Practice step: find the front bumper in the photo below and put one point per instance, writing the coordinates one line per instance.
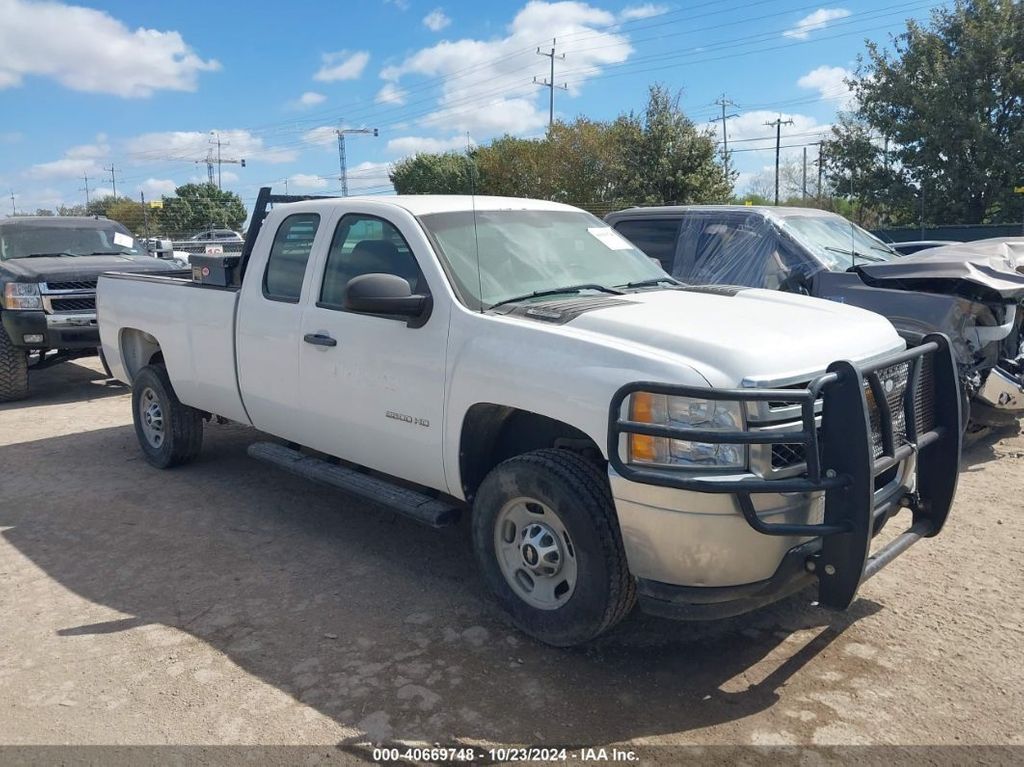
(862, 466)
(57, 331)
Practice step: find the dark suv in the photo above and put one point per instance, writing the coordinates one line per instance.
(974, 300)
(48, 271)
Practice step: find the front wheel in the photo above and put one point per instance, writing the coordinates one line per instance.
(547, 540)
(13, 370)
(169, 433)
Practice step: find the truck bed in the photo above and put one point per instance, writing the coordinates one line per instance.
(194, 326)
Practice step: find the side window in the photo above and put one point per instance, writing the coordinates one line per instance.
(366, 245)
(282, 281)
(656, 237)
(730, 249)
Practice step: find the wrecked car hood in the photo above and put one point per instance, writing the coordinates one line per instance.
(995, 266)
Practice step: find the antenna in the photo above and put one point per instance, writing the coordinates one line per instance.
(476, 236)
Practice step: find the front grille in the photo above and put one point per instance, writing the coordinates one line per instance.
(786, 454)
(81, 304)
(894, 381)
(71, 285)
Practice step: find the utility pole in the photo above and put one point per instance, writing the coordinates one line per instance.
(341, 132)
(113, 179)
(145, 217)
(85, 178)
(777, 123)
(215, 141)
(821, 165)
(549, 83)
(804, 185)
(725, 103)
(14, 210)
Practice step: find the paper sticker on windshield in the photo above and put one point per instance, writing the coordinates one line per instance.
(610, 237)
(123, 240)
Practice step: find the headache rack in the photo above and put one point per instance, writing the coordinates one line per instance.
(872, 418)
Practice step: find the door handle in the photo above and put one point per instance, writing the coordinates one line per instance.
(319, 339)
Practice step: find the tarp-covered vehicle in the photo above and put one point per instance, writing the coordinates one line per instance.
(973, 292)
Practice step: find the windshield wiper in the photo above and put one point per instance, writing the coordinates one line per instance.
(557, 291)
(854, 253)
(651, 282)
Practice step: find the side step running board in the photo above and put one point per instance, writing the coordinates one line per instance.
(411, 503)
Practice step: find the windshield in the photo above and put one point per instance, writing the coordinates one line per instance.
(526, 251)
(23, 241)
(832, 238)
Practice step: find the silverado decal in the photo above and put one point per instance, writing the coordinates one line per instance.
(407, 418)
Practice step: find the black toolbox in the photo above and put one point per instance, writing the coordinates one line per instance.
(220, 270)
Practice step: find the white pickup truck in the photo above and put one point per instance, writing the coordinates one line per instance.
(614, 434)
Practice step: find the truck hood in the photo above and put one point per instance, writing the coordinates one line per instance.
(993, 269)
(745, 336)
(71, 268)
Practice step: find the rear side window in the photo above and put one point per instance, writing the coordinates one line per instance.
(282, 281)
(655, 236)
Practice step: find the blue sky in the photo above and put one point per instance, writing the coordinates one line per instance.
(142, 85)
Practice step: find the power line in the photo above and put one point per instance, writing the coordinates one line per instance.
(725, 104)
(550, 82)
(778, 122)
(113, 178)
(85, 177)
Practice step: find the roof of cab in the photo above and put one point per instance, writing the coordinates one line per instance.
(424, 204)
(768, 211)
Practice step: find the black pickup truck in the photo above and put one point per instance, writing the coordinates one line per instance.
(49, 266)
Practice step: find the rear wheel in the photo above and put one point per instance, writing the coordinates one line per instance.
(169, 433)
(13, 370)
(547, 540)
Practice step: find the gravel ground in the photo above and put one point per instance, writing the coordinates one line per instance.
(228, 603)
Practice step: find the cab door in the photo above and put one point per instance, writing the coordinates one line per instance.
(372, 386)
(269, 322)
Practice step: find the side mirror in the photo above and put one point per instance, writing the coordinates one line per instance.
(385, 294)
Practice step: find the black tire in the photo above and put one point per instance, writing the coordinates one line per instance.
(13, 370)
(181, 426)
(579, 494)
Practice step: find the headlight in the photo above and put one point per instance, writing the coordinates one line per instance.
(685, 412)
(22, 295)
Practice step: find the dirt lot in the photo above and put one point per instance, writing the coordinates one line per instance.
(227, 603)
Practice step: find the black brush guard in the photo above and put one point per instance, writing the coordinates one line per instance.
(840, 460)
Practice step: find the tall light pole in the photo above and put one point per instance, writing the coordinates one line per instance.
(341, 132)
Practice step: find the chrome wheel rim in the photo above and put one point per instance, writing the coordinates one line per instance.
(535, 553)
(151, 417)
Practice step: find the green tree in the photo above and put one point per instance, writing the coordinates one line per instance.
(514, 167)
(426, 173)
(198, 206)
(130, 213)
(662, 157)
(949, 97)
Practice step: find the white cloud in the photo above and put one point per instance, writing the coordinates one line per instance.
(645, 11)
(407, 145)
(157, 187)
(815, 21)
(309, 99)
(390, 94)
(323, 135)
(487, 86)
(748, 131)
(77, 162)
(436, 20)
(342, 65)
(402, 5)
(193, 145)
(830, 82)
(89, 50)
(369, 177)
(307, 181)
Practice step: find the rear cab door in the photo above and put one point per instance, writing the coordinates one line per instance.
(271, 302)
